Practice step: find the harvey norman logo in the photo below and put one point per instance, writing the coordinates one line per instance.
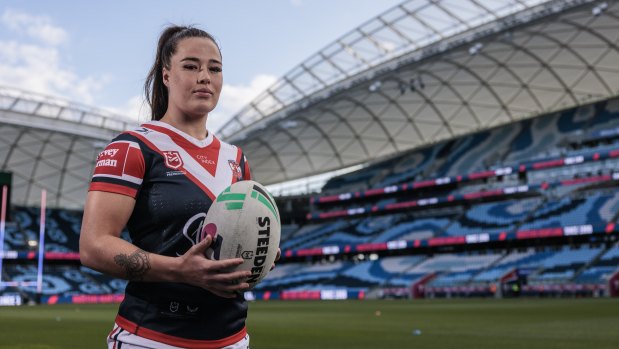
(108, 153)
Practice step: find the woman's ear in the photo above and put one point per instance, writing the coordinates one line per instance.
(166, 76)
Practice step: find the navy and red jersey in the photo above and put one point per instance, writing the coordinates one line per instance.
(174, 179)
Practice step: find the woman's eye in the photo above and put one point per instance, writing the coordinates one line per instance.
(190, 67)
(215, 69)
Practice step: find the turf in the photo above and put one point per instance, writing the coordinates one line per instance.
(462, 324)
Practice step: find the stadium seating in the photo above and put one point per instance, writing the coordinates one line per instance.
(545, 138)
(311, 235)
(493, 218)
(364, 231)
(57, 280)
(538, 138)
(411, 166)
(595, 207)
(302, 276)
(562, 266)
(606, 116)
(61, 231)
(413, 229)
(15, 238)
(601, 269)
(510, 261)
(477, 153)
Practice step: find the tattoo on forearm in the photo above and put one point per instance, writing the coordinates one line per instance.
(136, 264)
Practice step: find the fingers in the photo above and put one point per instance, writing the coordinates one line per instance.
(201, 246)
(216, 276)
(233, 278)
(229, 285)
(225, 264)
(226, 283)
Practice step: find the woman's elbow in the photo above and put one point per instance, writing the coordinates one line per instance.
(86, 252)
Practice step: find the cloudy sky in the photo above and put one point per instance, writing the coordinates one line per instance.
(98, 52)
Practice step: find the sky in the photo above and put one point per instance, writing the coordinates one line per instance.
(98, 53)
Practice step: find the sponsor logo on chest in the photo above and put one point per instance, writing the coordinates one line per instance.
(205, 160)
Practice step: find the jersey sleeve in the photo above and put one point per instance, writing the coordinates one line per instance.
(119, 168)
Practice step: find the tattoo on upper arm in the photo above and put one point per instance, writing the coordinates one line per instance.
(136, 264)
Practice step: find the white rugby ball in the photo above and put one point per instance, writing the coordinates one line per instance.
(244, 223)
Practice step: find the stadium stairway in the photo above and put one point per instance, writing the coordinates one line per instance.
(489, 267)
(589, 264)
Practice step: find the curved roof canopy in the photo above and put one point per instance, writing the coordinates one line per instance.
(51, 144)
(426, 71)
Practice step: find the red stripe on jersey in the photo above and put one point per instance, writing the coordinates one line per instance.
(135, 163)
(113, 188)
(153, 147)
(120, 162)
(178, 341)
(208, 157)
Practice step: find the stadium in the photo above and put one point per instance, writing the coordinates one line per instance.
(444, 154)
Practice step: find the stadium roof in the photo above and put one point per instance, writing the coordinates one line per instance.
(49, 143)
(425, 71)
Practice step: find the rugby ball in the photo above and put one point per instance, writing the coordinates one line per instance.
(244, 222)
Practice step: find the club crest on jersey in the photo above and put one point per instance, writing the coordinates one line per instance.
(236, 170)
(173, 159)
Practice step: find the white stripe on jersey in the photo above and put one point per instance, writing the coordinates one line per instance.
(224, 175)
(124, 177)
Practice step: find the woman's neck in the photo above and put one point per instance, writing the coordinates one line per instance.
(195, 128)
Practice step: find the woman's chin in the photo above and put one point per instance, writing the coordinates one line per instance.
(197, 113)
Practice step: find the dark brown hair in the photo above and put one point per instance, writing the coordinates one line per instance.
(154, 89)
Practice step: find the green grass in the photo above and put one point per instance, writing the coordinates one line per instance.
(462, 324)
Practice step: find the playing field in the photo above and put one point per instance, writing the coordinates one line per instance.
(461, 324)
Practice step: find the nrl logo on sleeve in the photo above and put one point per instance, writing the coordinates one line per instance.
(173, 159)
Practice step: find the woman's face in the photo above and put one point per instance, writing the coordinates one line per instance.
(194, 78)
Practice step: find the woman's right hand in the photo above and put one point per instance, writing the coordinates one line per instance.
(215, 276)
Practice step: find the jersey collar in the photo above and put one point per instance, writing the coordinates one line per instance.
(174, 132)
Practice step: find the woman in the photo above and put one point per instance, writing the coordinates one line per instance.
(159, 180)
